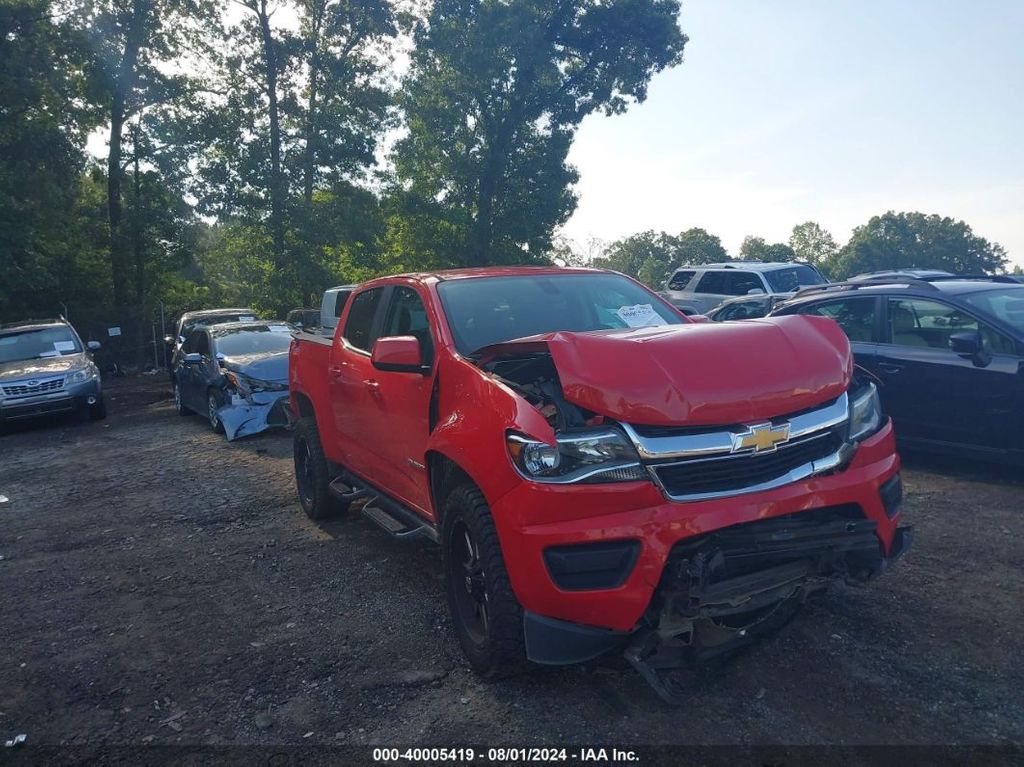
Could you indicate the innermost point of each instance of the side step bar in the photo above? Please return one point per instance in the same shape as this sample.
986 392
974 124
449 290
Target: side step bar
391 516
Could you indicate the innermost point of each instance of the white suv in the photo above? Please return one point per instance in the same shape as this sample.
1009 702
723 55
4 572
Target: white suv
698 289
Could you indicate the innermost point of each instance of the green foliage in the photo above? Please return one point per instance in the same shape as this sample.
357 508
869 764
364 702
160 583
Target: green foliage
814 245
651 256
905 240
492 101
756 249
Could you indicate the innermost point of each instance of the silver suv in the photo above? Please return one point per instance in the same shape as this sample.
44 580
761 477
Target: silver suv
698 289
45 368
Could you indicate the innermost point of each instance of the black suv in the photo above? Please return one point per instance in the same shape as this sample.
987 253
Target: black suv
949 352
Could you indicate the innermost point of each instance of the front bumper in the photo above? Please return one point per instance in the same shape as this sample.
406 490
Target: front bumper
71 398
242 416
639 512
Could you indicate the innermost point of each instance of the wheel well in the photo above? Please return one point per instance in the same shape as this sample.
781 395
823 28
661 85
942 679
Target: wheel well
304 404
445 476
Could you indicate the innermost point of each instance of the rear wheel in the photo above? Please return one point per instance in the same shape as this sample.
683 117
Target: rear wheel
487 616
214 402
312 475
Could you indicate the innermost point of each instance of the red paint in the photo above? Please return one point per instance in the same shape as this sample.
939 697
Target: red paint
376 424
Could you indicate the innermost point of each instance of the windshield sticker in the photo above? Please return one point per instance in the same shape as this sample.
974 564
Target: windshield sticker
247 318
64 346
640 316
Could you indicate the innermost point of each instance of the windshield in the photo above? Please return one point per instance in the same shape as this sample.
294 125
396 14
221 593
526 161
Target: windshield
270 339
792 278
488 310
39 342
216 319
1006 304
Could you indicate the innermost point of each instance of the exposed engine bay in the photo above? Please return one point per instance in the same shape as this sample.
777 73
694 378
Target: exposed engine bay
535 378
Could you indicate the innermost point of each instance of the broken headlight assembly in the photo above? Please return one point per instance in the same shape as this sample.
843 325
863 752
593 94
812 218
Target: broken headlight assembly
582 455
865 412
245 385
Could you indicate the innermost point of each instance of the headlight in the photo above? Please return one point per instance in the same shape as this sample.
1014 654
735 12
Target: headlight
246 385
85 374
865 413
585 455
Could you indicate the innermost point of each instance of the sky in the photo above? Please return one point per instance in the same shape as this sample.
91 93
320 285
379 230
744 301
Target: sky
786 111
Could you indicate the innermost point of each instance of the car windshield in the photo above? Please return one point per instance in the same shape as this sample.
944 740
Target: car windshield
216 319
269 339
1006 304
37 343
792 278
488 310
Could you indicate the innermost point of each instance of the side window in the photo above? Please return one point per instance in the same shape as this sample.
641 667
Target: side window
916 322
202 343
408 317
190 343
681 279
741 283
359 325
712 282
856 316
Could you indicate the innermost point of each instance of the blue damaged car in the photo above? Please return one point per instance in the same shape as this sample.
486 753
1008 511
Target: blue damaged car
236 375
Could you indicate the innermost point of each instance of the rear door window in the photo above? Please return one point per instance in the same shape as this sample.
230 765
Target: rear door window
712 282
856 316
359 326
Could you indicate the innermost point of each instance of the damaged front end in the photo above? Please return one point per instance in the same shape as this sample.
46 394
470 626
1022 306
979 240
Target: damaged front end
722 590
254 405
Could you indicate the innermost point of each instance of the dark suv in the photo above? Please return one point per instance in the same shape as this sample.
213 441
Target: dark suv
949 352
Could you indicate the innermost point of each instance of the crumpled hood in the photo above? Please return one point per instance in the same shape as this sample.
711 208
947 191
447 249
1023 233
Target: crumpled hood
265 367
698 374
42 367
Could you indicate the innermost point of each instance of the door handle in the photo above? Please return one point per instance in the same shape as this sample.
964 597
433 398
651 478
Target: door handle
371 384
335 370
888 367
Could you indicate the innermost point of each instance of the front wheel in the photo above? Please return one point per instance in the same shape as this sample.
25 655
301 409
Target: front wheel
179 403
214 402
487 616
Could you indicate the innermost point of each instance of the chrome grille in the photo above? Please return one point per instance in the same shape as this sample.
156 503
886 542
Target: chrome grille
31 388
692 464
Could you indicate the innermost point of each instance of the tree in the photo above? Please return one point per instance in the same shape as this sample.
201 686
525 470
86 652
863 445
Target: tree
757 249
492 101
136 44
814 245
697 246
916 240
47 107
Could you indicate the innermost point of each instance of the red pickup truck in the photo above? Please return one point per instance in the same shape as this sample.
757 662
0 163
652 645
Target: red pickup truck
600 471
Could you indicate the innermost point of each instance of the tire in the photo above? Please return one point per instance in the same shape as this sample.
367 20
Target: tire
98 411
488 618
214 401
179 403
312 475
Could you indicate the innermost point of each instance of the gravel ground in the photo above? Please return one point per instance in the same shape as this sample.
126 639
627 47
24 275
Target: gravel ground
159 585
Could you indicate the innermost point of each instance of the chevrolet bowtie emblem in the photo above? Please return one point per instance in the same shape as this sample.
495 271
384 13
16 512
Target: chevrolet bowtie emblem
763 438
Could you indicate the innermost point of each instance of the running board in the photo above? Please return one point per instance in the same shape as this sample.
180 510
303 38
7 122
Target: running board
392 517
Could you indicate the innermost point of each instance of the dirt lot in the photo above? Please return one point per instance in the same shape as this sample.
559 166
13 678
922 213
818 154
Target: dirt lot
161 585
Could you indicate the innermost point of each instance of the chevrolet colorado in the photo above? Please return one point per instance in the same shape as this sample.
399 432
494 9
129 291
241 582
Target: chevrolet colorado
600 472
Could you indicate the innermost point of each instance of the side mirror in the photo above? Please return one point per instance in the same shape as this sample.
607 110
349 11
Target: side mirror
970 346
193 358
169 340
92 345
397 354
698 318
220 358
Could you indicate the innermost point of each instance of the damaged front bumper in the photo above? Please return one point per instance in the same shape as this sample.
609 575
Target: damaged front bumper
259 411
